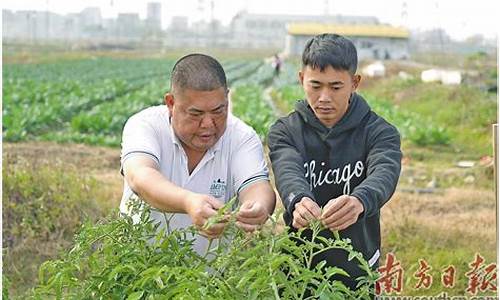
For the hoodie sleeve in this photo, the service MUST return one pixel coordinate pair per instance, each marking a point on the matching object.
(383, 169)
(288, 167)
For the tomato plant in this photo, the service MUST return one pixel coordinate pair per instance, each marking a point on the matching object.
(123, 258)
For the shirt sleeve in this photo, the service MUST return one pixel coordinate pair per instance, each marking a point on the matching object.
(288, 167)
(384, 167)
(248, 164)
(139, 138)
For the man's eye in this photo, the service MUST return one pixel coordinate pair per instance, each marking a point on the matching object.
(315, 87)
(194, 114)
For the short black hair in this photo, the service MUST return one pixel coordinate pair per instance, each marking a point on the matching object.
(330, 49)
(198, 72)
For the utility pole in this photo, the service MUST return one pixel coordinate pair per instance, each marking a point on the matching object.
(326, 7)
(201, 12)
(440, 30)
(404, 15)
(212, 24)
(495, 170)
(47, 20)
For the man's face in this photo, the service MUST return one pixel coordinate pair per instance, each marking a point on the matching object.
(328, 92)
(198, 117)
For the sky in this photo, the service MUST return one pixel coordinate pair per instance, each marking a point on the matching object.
(460, 18)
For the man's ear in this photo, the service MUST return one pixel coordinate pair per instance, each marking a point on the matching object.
(301, 77)
(169, 100)
(356, 79)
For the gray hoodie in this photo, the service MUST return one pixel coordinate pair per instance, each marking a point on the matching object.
(359, 156)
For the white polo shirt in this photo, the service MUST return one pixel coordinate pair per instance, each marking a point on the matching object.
(234, 162)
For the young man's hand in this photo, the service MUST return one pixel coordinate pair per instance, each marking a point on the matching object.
(200, 208)
(341, 212)
(251, 215)
(305, 211)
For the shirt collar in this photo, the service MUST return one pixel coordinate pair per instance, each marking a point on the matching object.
(173, 136)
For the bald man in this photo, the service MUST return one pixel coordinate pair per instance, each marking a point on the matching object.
(190, 156)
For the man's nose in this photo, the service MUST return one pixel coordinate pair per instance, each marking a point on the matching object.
(325, 96)
(207, 121)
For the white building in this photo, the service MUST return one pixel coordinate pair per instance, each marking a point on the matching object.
(128, 26)
(90, 17)
(153, 16)
(269, 31)
(87, 25)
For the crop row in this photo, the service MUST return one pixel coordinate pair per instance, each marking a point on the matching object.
(247, 104)
(89, 101)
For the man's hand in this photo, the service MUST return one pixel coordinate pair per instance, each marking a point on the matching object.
(305, 211)
(341, 212)
(200, 208)
(257, 203)
(251, 215)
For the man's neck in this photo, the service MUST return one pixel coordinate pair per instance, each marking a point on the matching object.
(194, 157)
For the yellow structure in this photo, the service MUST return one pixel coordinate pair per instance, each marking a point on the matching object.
(354, 30)
(372, 41)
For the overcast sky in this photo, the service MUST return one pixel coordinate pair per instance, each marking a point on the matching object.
(460, 18)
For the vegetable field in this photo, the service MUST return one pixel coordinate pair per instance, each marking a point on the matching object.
(89, 101)
(63, 238)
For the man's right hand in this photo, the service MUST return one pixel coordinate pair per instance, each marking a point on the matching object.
(305, 211)
(200, 208)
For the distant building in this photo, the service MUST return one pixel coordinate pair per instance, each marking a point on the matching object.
(90, 17)
(87, 25)
(178, 23)
(372, 41)
(32, 26)
(269, 31)
(246, 30)
(128, 26)
(178, 34)
(153, 16)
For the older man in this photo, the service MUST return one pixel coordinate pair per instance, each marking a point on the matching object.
(190, 156)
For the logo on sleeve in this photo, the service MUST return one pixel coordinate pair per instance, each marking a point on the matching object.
(218, 188)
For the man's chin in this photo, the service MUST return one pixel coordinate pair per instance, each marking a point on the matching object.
(329, 122)
(201, 146)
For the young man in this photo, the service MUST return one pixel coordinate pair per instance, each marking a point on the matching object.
(190, 156)
(333, 158)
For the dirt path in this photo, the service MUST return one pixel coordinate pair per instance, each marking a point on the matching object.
(266, 96)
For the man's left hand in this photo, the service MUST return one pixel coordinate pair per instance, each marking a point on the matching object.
(341, 212)
(251, 215)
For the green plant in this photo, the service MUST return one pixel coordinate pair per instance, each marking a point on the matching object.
(5, 286)
(122, 259)
(43, 206)
(286, 96)
(457, 116)
(249, 106)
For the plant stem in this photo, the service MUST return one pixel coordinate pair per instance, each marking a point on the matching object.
(208, 248)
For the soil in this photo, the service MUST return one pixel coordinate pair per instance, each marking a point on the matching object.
(102, 163)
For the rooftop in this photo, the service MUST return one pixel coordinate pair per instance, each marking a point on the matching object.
(348, 30)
